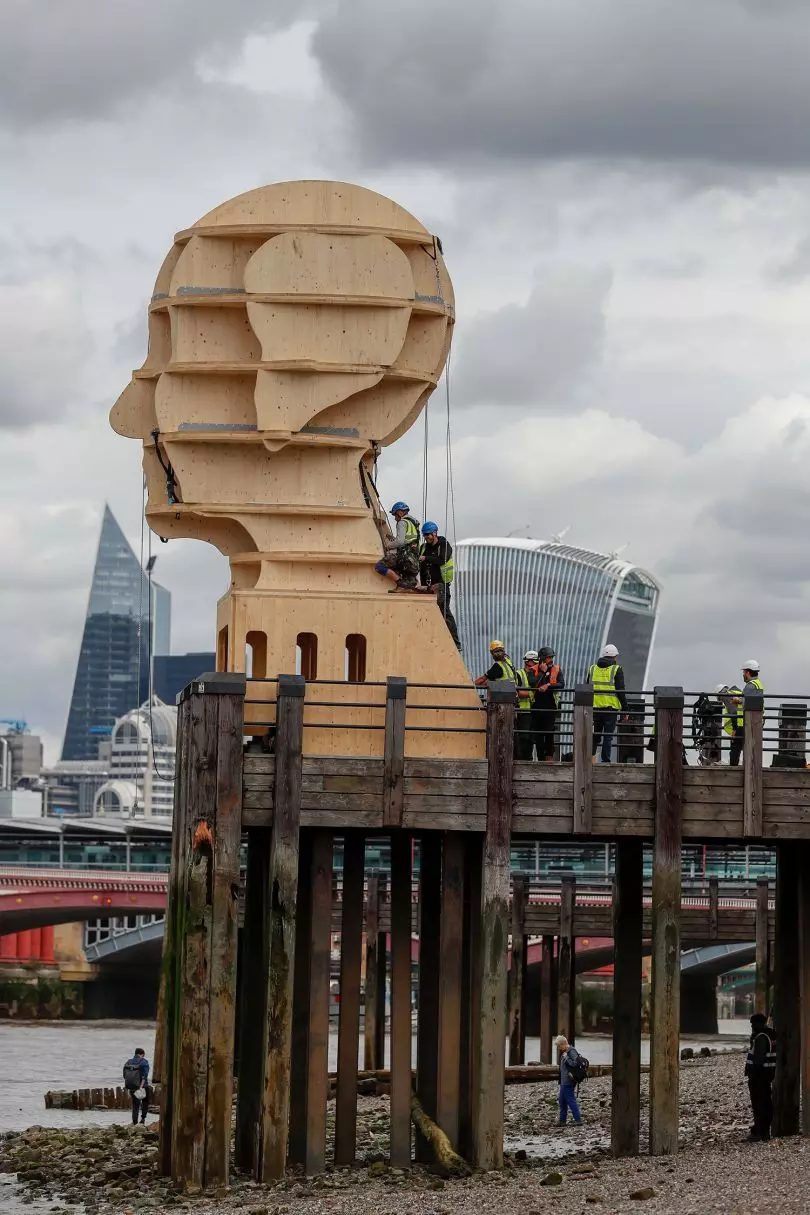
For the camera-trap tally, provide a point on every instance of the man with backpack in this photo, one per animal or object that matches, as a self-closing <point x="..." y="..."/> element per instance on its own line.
<point x="573" y="1070"/>
<point x="760" y="1068"/>
<point x="136" y="1076"/>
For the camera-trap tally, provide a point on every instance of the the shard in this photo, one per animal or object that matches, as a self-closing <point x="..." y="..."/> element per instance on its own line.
<point x="112" y="674"/>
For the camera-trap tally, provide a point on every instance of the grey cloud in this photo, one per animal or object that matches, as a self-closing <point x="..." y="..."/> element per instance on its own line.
<point x="723" y="81"/>
<point x="75" y="59"/>
<point x="797" y="267"/>
<point x="534" y="353"/>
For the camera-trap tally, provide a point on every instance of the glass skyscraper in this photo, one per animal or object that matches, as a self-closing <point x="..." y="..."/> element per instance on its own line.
<point x="530" y="593"/>
<point x="112" y="675"/>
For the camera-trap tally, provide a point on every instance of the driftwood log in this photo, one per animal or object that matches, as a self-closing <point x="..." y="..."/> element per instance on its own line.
<point x="447" y="1162"/>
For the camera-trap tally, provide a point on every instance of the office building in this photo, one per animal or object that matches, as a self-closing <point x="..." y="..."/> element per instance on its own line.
<point x="141" y="768"/>
<point x="529" y="593"/>
<point x="112" y="674"/>
<point x="173" y="672"/>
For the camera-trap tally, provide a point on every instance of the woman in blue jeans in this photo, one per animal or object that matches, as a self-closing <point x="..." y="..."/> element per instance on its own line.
<point x="568" y="1094"/>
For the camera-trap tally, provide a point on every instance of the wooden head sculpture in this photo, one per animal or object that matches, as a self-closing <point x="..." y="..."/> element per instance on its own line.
<point x="293" y="332"/>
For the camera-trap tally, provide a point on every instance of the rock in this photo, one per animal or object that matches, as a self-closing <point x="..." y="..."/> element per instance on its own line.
<point x="687" y="1053"/>
<point x="435" y="1183"/>
<point x="521" y="1155"/>
<point x="705" y="1052"/>
<point x="378" y="1169"/>
<point x="643" y="1194"/>
<point x="552" y="1179"/>
<point x="592" y="1198"/>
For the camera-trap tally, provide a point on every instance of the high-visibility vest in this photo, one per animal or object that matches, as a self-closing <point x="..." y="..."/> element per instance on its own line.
<point x="525" y="694"/>
<point x="768" y="1068"/>
<point x="737" y="712"/>
<point x="411" y="531"/>
<point x="551" y="679"/>
<point x="604" y="686"/>
<point x="507" y="670"/>
<point x="447" y="570"/>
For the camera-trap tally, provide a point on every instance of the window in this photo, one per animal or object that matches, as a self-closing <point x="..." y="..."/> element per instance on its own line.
<point x="355" y="660"/>
<point x="222" y="649"/>
<point x="256" y="655"/>
<point x="306" y="655"/>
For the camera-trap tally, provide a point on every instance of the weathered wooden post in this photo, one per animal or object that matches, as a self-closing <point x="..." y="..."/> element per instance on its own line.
<point x="546" y="995"/>
<point x="471" y="978"/>
<point x="804" y="980"/>
<point x="489" y="1078"/>
<point x="351" y="958"/>
<point x="752" y="764"/>
<point x="374" y="1002"/>
<point x="202" y="932"/>
<point x="517" y="973"/>
<point x="394" y="751"/>
<point x="427" y="1027"/>
<point x="628" y="894"/>
<point x="714" y="908"/>
<point x="450" y="990"/>
<point x="787" y="992"/>
<point x="282" y="883"/>
<point x="761" y="988"/>
<point x="401" y="927"/>
<point x="666" y="935"/>
<point x="566" y="962"/>
<point x="583" y="765"/>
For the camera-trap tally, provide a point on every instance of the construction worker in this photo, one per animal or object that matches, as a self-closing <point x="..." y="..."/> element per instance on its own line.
<point x="436" y="569"/>
<point x="545" y="710"/>
<point x="401" y="562"/>
<point x="736" y="715"/>
<point x="524" y="739"/>
<point x="503" y="668"/>
<point x="609" y="699"/>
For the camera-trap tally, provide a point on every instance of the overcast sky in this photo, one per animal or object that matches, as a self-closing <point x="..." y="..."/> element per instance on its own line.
<point x="622" y="195"/>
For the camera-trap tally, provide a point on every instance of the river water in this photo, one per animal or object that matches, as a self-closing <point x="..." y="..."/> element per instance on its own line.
<point x="36" y="1057"/>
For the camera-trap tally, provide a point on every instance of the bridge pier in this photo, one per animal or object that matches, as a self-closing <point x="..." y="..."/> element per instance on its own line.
<point x="628" y="890"/>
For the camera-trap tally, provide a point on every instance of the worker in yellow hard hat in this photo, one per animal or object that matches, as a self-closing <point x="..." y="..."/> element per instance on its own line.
<point x="502" y="666"/>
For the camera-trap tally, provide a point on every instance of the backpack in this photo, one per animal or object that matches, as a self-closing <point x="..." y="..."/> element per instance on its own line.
<point x="132" y="1076"/>
<point x="577" y="1066"/>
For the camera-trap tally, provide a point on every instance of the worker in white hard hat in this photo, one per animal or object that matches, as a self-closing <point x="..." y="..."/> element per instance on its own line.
<point x="736" y="718"/>
<point x="609" y="700"/>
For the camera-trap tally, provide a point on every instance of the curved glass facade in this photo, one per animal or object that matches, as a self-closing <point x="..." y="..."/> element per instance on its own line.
<point x="530" y="593"/>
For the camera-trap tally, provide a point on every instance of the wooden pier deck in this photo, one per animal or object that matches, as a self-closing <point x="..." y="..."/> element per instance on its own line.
<point x="289" y="806"/>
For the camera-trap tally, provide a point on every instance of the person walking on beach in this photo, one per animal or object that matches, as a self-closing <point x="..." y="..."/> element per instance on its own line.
<point x="136" y="1082"/>
<point x="569" y="1058"/>
<point x="760" y="1068"/>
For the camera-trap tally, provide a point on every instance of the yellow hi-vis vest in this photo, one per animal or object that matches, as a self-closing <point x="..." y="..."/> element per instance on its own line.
<point x="411" y="531"/>
<point x="604" y="686"/>
<point x="525" y="694"/>
<point x="737" y="712"/>
<point x="507" y="671"/>
<point x="447" y="570"/>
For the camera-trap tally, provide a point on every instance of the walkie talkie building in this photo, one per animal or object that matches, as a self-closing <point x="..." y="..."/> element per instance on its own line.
<point x="530" y="593"/>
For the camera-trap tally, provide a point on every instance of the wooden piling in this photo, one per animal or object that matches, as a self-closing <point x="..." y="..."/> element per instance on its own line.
<point x="753" y="714"/>
<point x="253" y="1002"/>
<point x="283" y="886"/>
<point x="394" y="751"/>
<point x="319" y="997"/>
<point x="628" y="893"/>
<point x="374" y="992"/>
<point x="489" y="1084"/>
<point x="299" y="1051"/>
<point x="517" y="973"/>
<point x="204" y="934"/>
<point x="583" y="766"/>
<point x="401" y="868"/>
<point x="351" y="958"/>
<point x="546" y="996"/>
<point x="566" y="962"/>
<point x="804" y="982"/>
<point x="427" y="1025"/>
<point x="450" y="986"/>
<point x="787" y="992"/>
<point x="666" y="906"/>
<point x="761" y="980"/>
<point x="714" y="908"/>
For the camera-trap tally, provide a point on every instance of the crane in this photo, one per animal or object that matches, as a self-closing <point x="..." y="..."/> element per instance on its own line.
<point x="17" y="727"/>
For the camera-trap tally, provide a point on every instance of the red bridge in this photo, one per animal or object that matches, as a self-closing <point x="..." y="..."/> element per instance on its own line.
<point x="33" y="900"/>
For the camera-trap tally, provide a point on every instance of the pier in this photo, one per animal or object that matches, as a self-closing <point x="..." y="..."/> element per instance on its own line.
<point x="286" y="804"/>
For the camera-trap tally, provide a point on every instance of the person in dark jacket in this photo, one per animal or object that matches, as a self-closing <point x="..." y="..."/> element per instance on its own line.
<point x="136" y="1078"/>
<point x="760" y="1068"/>
<point x="609" y="699"/>
<point x="545" y="714"/>
<point x="436" y="569"/>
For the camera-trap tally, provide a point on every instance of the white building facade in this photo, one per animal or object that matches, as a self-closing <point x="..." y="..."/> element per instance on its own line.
<point x="531" y="593"/>
<point x="141" y="764"/>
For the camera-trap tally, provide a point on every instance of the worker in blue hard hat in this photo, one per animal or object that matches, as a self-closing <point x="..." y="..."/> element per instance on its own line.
<point x="401" y="562"/>
<point x="436" y="569"/>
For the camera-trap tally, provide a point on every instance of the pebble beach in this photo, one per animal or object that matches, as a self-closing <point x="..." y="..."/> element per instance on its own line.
<point x="111" y="1170"/>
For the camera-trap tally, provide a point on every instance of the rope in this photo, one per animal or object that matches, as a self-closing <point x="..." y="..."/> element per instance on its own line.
<point x="160" y="775"/>
<point x="139" y="629"/>
<point x="425" y="466"/>
<point x="449" y="490"/>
